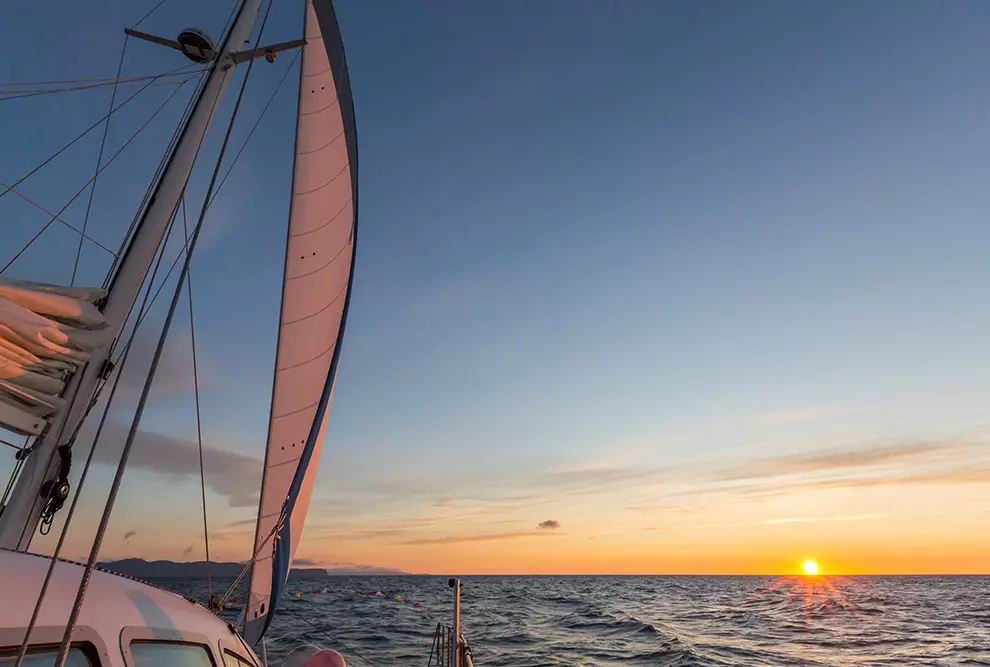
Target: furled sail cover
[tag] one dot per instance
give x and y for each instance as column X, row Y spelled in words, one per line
column 46, row 333
column 316, row 292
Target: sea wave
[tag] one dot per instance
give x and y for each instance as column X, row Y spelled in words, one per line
column 665, row 621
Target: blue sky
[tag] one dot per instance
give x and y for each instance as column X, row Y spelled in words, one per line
column 595, row 237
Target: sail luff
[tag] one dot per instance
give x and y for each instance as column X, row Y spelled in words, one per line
column 21, row 515
column 319, row 272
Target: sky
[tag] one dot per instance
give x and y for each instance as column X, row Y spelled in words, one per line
column 659, row 287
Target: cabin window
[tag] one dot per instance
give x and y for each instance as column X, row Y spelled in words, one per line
column 78, row 656
column 170, row 654
column 234, row 660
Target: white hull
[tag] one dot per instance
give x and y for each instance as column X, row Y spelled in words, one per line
column 117, row 613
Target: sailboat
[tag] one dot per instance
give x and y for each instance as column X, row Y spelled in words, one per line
column 62, row 349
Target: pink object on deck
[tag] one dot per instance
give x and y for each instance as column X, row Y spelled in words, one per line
column 308, row 655
column 326, row 658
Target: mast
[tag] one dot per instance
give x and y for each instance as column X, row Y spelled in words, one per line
column 19, row 519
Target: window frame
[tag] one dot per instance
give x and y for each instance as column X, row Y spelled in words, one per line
column 238, row 649
column 145, row 635
column 84, row 637
column 224, row 652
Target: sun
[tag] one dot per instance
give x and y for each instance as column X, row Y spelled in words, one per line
column 810, row 568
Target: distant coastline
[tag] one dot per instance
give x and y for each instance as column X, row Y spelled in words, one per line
column 167, row 569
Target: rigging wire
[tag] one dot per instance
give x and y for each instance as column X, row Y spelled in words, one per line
column 118, row 364
column 199, row 422
column 47, row 212
column 105, row 80
column 229, row 22
column 102, row 82
column 89, row 459
column 254, row 127
column 87, row 131
column 20, row 95
column 247, row 566
column 233, row 163
column 121, row 361
column 59, row 435
column 156, row 359
column 147, row 14
column 10, row 444
column 168, row 151
column 20, row 456
column 99, row 161
column 146, row 305
column 185, row 69
column 76, row 196
column 141, row 316
column 149, row 192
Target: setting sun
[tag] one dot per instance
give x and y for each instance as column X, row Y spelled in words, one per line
column 810, row 568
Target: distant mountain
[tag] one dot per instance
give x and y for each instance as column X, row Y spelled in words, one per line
column 167, row 569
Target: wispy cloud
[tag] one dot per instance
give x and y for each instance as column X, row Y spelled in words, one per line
column 175, row 371
column 787, row 416
column 807, row 519
column 787, row 519
column 475, row 508
column 129, row 534
column 231, row 474
column 463, row 539
column 846, row 459
column 599, row 477
column 549, row 524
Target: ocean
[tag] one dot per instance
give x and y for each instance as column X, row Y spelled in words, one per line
column 530, row 621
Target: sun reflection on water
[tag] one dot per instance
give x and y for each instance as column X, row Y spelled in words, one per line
column 817, row 593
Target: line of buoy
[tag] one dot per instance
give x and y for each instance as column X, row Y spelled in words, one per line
column 352, row 591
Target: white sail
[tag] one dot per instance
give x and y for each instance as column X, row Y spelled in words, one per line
column 316, row 291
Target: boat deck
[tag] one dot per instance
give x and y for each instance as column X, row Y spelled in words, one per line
column 123, row 622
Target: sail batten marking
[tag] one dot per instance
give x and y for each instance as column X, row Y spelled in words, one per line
column 310, row 360
column 329, row 143
column 334, row 217
column 342, row 292
column 335, row 177
column 295, row 412
column 310, row 113
column 317, row 74
column 323, row 266
column 283, row 463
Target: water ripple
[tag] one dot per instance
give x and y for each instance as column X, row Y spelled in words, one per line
column 665, row 621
